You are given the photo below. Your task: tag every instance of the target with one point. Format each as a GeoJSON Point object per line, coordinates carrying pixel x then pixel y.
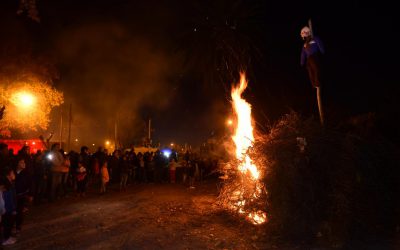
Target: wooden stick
{"type": "Point", "coordinates": [321, 112]}
{"type": "Point", "coordinates": [319, 98]}
{"type": "Point", "coordinates": [310, 27]}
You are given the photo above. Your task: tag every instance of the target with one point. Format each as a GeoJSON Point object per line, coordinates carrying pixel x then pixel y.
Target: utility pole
{"type": "Point", "coordinates": [61, 126]}
{"type": "Point", "coordinates": [149, 135]}
{"type": "Point", "coordinates": [69, 127]}
{"type": "Point", "coordinates": [116, 133]}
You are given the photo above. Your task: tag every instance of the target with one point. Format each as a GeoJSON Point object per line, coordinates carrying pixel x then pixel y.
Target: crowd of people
{"type": "Point", "coordinates": [52, 174]}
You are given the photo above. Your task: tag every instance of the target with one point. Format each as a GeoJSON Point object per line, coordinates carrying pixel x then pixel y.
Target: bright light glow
{"type": "Point", "coordinates": [166, 152]}
{"type": "Point", "coordinates": [76, 140]}
{"type": "Point", "coordinates": [107, 143]}
{"type": "Point", "coordinates": [33, 143]}
{"type": "Point", "coordinates": [172, 144]}
{"type": "Point", "coordinates": [29, 104]}
{"type": "Point", "coordinates": [50, 156]}
{"type": "Point", "coordinates": [23, 99]}
{"type": "Point", "coordinates": [229, 122]}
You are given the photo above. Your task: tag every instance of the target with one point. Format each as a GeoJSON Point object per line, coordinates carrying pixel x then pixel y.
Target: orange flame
{"type": "Point", "coordinates": [244, 139]}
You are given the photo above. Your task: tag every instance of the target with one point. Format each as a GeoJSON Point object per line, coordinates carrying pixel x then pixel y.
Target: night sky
{"type": "Point", "coordinates": [174, 61]}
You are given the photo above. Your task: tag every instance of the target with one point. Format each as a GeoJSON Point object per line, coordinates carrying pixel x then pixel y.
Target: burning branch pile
{"type": "Point", "coordinates": [243, 191]}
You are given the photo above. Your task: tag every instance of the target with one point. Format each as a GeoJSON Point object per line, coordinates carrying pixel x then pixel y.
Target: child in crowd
{"type": "Point", "coordinates": [172, 170]}
{"type": "Point", "coordinates": [191, 173]}
{"type": "Point", "coordinates": [104, 178]}
{"type": "Point", "coordinates": [125, 170]}
{"type": "Point", "coordinates": [81, 179]}
{"type": "Point", "coordinates": [8, 218]}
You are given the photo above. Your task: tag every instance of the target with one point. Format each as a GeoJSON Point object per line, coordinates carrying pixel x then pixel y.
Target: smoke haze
{"type": "Point", "coordinates": [111, 74]}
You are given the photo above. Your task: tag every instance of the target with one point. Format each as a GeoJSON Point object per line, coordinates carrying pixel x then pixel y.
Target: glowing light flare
{"type": "Point", "coordinates": [23, 99]}
{"type": "Point", "coordinates": [29, 104]}
{"type": "Point", "coordinates": [50, 156]}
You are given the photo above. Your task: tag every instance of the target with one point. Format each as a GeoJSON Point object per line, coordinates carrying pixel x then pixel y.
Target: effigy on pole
{"type": "Point", "coordinates": [311, 54]}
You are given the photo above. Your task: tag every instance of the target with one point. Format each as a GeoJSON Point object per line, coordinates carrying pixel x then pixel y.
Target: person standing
{"type": "Point", "coordinates": [65, 172]}
{"type": "Point", "coordinates": [105, 178]}
{"type": "Point", "coordinates": [24, 153]}
{"type": "Point", "coordinates": [172, 170]}
{"type": "Point", "coordinates": [125, 170]}
{"type": "Point", "coordinates": [191, 173]}
{"type": "Point", "coordinates": [39, 177]}
{"type": "Point", "coordinates": [100, 160]}
{"type": "Point", "coordinates": [142, 169]}
{"type": "Point", "coordinates": [84, 157]}
{"type": "Point", "coordinates": [114, 166]}
{"type": "Point", "coordinates": [23, 188]}
{"type": "Point", "coordinates": [81, 179]}
{"type": "Point", "coordinates": [9, 196]}
{"type": "Point", "coordinates": [2, 205]}
{"type": "Point", "coordinates": [158, 166]}
{"type": "Point", "coordinates": [56, 170]}
{"type": "Point", "coordinates": [5, 159]}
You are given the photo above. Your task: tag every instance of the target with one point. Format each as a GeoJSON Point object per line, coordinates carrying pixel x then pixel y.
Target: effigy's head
{"type": "Point", "coordinates": [305, 32]}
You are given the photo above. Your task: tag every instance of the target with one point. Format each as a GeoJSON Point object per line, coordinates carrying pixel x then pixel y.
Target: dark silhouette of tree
{"type": "Point", "coordinates": [220, 39]}
{"type": "Point", "coordinates": [29, 7]}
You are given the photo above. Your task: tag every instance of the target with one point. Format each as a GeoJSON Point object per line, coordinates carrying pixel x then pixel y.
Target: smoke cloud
{"type": "Point", "coordinates": [110, 74]}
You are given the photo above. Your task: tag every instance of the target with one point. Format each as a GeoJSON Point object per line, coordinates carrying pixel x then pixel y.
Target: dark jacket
{"type": "Point", "coordinates": [10, 198]}
{"type": "Point", "coordinates": [23, 183]}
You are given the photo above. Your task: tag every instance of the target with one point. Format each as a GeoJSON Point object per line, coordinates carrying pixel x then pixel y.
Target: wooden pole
{"type": "Point", "coordinates": [116, 133]}
{"type": "Point", "coordinates": [321, 111]}
{"type": "Point", "coordinates": [319, 98]}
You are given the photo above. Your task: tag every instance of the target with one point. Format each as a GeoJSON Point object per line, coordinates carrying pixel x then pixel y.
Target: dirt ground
{"type": "Point", "coordinates": [146, 216]}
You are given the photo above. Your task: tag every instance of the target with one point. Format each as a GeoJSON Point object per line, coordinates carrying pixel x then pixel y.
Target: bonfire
{"type": "Point", "coordinates": [244, 192]}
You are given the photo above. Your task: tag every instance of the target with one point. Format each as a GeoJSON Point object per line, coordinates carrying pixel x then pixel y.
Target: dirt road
{"type": "Point", "coordinates": [147, 216]}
